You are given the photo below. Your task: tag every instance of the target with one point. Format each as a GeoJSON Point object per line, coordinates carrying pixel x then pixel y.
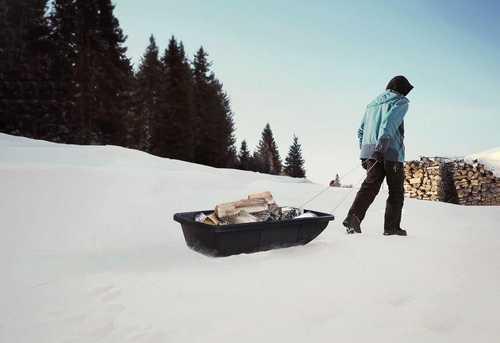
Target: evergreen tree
{"type": "Point", "coordinates": [26, 56]}
{"type": "Point", "coordinates": [115, 82]}
{"type": "Point", "coordinates": [256, 163]}
{"type": "Point", "coordinates": [204, 125]}
{"type": "Point", "coordinates": [87, 72]}
{"type": "Point", "coordinates": [232, 158]}
{"type": "Point", "coordinates": [173, 136]}
{"type": "Point", "coordinates": [268, 152]}
{"type": "Point", "coordinates": [99, 75]}
{"type": "Point", "coordinates": [116, 85]}
{"type": "Point", "coordinates": [222, 116]}
{"type": "Point", "coordinates": [244, 156]}
{"type": "Point", "coordinates": [294, 163]}
{"type": "Point", "coordinates": [63, 36]}
{"type": "Point", "coordinates": [214, 125]}
{"type": "Point", "coordinates": [146, 96]}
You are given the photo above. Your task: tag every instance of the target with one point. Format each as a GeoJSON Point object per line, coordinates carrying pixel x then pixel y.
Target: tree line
{"type": "Point", "coordinates": [65, 77]}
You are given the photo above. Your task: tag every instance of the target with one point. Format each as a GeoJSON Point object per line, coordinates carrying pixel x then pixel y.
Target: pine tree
{"type": "Point", "coordinates": [222, 116]}
{"type": "Point", "coordinates": [244, 156]}
{"type": "Point", "coordinates": [268, 152]}
{"type": "Point", "coordinates": [146, 97]}
{"type": "Point", "coordinates": [87, 73]}
{"type": "Point", "coordinates": [204, 125]}
{"type": "Point", "coordinates": [99, 75]}
{"type": "Point", "coordinates": [113, 85]}
{"type": "Point", "coordinates": [26, 104]}
{"type": "Point", "coordinates": [214, 125]}
{"type": "Point", "coordinates": [232, 160]}
{"type": "Point", "coordinates": [294, 163]}
{"type": "Point", "coordinates": [63, 25]}
{"type": "Point", "coordinates": [256, 163]}
{"type": "Point", "coordinates": [173, 136]}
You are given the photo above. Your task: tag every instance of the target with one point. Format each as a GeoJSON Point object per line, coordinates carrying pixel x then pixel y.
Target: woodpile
{"type": "Point", "coordinates": [475, 184]}
{"type": "Point", "coordinates": [454, 181]}
{"type": "Point", "coordinates": [423, 180]}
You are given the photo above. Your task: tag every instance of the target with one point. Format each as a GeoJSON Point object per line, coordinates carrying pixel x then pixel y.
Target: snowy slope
{"type": "Point", "coordinates": [489, 157]}
{"type": "Point", "coordinates": [90, 253]}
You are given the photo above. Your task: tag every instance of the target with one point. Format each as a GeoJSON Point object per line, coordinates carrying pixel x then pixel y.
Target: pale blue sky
{"type": "Point", "coordinates": [310, 68]}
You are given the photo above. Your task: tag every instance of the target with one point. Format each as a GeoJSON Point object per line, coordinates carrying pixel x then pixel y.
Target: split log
{"type": "Point", "coordinates": [250, 206]}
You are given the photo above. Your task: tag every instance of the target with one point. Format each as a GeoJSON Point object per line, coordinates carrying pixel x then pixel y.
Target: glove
{"type": "Point", "coordinates": [378, 156]}
{"type": "Point", "coordinates": [364, 164]}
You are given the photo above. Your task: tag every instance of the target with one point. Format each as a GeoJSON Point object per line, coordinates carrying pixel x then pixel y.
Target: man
{"type": "Point", "coordinates": [382, 154]}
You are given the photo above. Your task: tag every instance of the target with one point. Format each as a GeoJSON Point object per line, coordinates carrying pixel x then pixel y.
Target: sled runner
{"type": "Point", "coordinates": [249, 237]}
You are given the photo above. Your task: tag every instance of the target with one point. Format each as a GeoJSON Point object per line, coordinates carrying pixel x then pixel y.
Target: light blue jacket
{"type": "Point", "coordinates": [382, 128]}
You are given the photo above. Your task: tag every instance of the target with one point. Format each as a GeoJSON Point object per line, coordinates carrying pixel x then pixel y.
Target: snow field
{"type": "Point", "coordinates": [90, 253]}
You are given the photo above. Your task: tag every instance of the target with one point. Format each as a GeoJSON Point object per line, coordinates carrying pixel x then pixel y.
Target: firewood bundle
{"type": "Point", "coordinates": [423, 180]}
{"type": "Point", "coordinates": [475, 184]}
{"type": "Point", "coordinates": [257, 207]}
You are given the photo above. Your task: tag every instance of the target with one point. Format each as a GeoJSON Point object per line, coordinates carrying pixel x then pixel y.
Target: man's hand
{"type": "Point", "coordinates": [364, 164]}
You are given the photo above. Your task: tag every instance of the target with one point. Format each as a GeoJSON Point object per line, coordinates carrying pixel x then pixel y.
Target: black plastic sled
{"type": "Point", "coordinates": [235, 239]}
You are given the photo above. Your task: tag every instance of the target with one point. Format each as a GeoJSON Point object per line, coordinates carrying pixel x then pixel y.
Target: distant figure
{"type": "Point", "coordinates": [382, 154]}
{"type": "Point", "coordinates": [336, 182]}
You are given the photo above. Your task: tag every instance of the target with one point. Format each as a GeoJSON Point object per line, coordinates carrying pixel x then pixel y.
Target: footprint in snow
{"type": "Point", "coordinates": [115, 308]}
{"type": "Point", "coordinates": [101, 331]}
{"type": "Point", "coordinates": [399, 299]}
{"type": "Point", "coordinates": [102, 290]}
{"type": "Point", "coordinates": [106, 293]}
{"type": "Point", "coordinates": [111, 295]}
{"type": "Point", "coordinates": [75, 319]}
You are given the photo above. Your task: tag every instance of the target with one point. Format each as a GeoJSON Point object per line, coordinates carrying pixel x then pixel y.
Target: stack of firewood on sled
{"type": "Point", "coordinates": [258, 207]}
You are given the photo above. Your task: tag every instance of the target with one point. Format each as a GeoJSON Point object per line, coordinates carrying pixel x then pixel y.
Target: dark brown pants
{"type": "Point", "coordinates": [394, 172]}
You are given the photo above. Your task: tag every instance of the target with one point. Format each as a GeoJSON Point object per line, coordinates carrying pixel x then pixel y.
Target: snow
{"type": "Point", "coordinates": [90, 253]}
{"type": "Point", "coordinates": [491, 158]}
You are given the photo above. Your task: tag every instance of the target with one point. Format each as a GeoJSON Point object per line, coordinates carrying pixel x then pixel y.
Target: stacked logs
{"type": "Point", "coordinates": [423, 180]}
{"type": "Point", "coordinates": [455, 181]}
{"type": "Point", "coordinates": [475, 184]}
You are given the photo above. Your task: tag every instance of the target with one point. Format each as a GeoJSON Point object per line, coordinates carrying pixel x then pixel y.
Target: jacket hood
{"type": "Point", "coordinates": [387, 96]}
{"type": "Point", "coordinates": [400, 84]}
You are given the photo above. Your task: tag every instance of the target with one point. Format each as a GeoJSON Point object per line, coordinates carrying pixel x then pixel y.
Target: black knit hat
{"type": "Point", "coordinates": [400, 84]}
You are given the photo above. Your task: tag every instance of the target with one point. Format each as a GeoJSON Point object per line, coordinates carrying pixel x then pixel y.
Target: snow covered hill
{"type": "Point", "coordinates": [489, 157]}
{"type": "Point", "coordinates": [89, 253]}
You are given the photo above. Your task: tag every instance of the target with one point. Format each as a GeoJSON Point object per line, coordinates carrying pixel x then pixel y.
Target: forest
{"type": "Point", "coordinates": [65, 77]}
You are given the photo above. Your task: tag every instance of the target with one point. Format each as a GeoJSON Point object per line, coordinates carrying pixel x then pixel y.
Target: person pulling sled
{"type": "Point", "coordinates": [381, 136]}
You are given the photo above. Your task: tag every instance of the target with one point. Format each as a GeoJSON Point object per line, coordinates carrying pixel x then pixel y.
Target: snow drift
{"type": "Point", "coordinates": [490, 158]}
{"type": "Point", "coordinates": [90, 253]}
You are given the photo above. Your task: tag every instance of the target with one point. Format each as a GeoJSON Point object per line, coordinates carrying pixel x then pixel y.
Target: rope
{"type": "Point", "coordinates": [350, 192]}
{"type": "Point", "coordinates": [328, 187]}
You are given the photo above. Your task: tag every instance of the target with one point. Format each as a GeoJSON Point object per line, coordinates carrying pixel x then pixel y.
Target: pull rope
{"type": "Point", "coordinates": [328, 187]}
{"type": "Point", "coordinates": [350, 192]}
{"type": "Point", "coordinates": [346, 196]}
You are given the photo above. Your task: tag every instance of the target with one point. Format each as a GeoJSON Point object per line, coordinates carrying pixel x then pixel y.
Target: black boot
{"type": "Point", "coordinates": [352, 224]}
{"type": "Point", "coordinates": [397, 232]}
